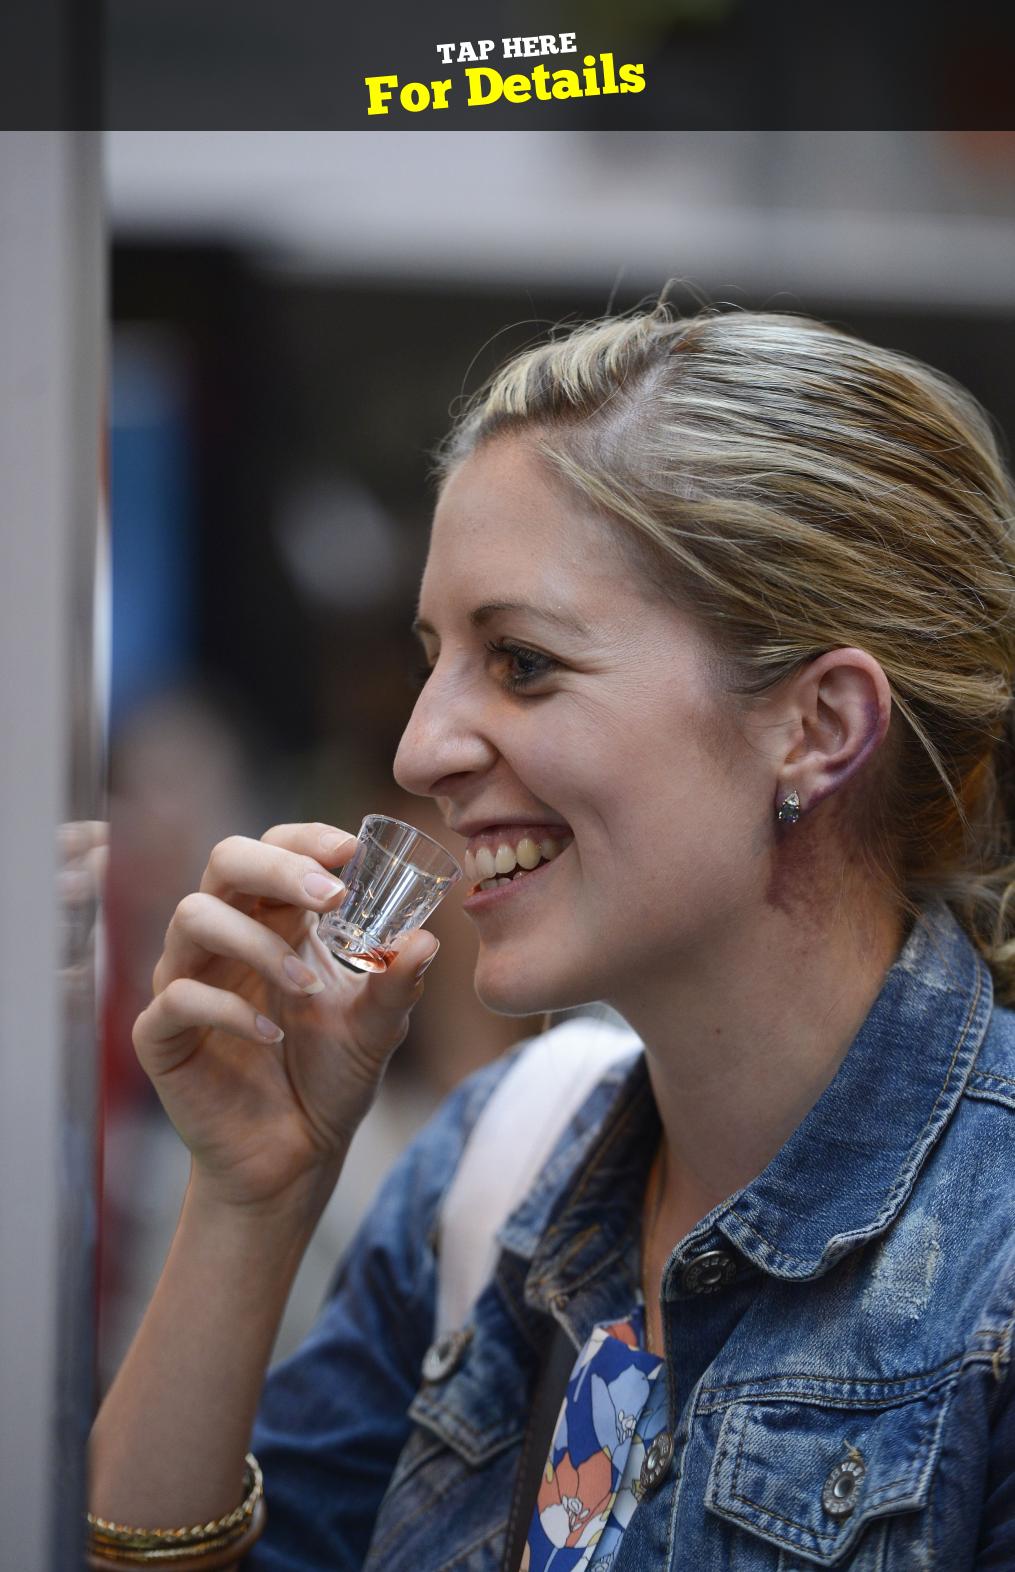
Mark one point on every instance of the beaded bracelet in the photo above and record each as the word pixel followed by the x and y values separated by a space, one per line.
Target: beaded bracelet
pixel 204 1545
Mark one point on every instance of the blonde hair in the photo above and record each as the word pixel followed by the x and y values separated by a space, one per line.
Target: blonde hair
pixel 799 490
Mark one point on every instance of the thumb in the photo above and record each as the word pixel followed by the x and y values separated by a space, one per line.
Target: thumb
pixel 387 998
pixel 422 954
pixel 415 952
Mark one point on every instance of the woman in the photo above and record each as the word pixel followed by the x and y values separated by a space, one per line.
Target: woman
pixel 723 608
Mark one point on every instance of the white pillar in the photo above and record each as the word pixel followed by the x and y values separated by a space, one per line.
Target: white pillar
pixel 52 729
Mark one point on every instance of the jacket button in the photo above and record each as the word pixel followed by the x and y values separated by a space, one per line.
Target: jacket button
pixel 709 1272
pixel 658 1460
pixel 445 1355
pixel 841 1488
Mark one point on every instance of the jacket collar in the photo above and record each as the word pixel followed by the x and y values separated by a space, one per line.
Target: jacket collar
pixel 850 1165
pixel 838 1181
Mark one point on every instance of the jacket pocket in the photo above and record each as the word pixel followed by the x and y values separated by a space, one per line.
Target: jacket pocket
pixel 811 1478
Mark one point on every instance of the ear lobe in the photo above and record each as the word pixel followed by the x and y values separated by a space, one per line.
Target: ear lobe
pixel 789 809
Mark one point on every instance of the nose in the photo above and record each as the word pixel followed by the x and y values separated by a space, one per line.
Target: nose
pixel 444 736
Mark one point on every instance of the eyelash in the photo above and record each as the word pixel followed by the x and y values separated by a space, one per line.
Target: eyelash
pixel 546 663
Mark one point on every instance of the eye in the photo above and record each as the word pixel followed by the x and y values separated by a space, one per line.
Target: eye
pixel 533 665
pixel 538 665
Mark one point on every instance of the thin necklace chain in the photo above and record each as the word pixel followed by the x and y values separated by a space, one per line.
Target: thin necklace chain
pixel 655 1183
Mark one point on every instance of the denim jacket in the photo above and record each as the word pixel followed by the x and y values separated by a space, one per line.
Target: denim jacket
pixel 838 1332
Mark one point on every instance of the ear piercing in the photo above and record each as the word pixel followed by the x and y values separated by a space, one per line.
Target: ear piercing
pixel 789 809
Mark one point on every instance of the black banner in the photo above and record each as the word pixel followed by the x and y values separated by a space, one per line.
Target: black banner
pixel 646 65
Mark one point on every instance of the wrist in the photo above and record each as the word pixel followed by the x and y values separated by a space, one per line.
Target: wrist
pixel 286 1219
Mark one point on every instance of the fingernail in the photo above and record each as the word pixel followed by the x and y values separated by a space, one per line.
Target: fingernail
pixel 268 1029
pixel 301 975
pixel 321 888
pixel 332 843
pixel 421 968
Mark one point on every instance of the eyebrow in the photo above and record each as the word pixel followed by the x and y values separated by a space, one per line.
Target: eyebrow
pixel 482 614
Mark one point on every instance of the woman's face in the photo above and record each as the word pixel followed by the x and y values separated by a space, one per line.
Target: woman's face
pixel 621 742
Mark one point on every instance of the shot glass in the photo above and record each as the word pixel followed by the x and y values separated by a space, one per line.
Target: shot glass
pixel 396 877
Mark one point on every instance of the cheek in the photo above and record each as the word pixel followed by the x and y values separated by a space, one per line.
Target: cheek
pixel 558 762
pixel 680 834
pixel 652 795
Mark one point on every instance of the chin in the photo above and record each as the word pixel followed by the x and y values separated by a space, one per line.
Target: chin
pixel 507 989
pixel 512 1000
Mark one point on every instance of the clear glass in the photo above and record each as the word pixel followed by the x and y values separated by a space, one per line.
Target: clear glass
pixel 396 877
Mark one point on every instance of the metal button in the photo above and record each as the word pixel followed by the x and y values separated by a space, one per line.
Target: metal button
pixel 658 1461
pixel 709 1272
pixel 445 1355
pixel 841 1488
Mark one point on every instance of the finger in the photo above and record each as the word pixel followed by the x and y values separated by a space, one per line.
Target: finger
pixel 242 871
pixel 203 925
pixel 392 993
pixel 378 1020
pixel 93 863
pixel 330 845
pixel 162 1032
pixel 415 951
pixel 76 886
pixel 79 835
pixel 96 862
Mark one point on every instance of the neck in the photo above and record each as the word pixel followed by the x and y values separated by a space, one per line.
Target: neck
pixel 742 1040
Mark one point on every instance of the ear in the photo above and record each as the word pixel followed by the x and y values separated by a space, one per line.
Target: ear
pixel 838 708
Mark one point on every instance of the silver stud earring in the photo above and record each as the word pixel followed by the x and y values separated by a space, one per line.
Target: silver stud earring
pixel 789 808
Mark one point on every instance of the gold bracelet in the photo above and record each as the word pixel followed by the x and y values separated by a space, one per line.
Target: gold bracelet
pixel 215 1554
pixel 117 1540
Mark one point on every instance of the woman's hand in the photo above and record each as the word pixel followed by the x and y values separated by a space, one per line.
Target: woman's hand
pixel 269 1123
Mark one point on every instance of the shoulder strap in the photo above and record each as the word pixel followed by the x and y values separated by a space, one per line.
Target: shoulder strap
pixel 551 1385
pixel 508 1146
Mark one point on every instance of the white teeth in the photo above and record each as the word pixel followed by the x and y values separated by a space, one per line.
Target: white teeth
pixel 527 852
pixel 505 859
pixel 483 860
pixel 483 863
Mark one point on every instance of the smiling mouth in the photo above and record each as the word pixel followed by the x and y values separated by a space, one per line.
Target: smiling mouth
pixel 493 891
pixel 515 861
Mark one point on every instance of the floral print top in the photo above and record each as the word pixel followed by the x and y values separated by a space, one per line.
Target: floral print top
pixel 615 1404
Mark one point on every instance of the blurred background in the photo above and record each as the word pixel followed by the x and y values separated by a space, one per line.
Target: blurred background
pixel 294 316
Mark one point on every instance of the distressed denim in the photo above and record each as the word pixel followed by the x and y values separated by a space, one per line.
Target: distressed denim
pixel 839 1368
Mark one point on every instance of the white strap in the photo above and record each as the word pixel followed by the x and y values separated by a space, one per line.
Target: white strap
pixel 508 1146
